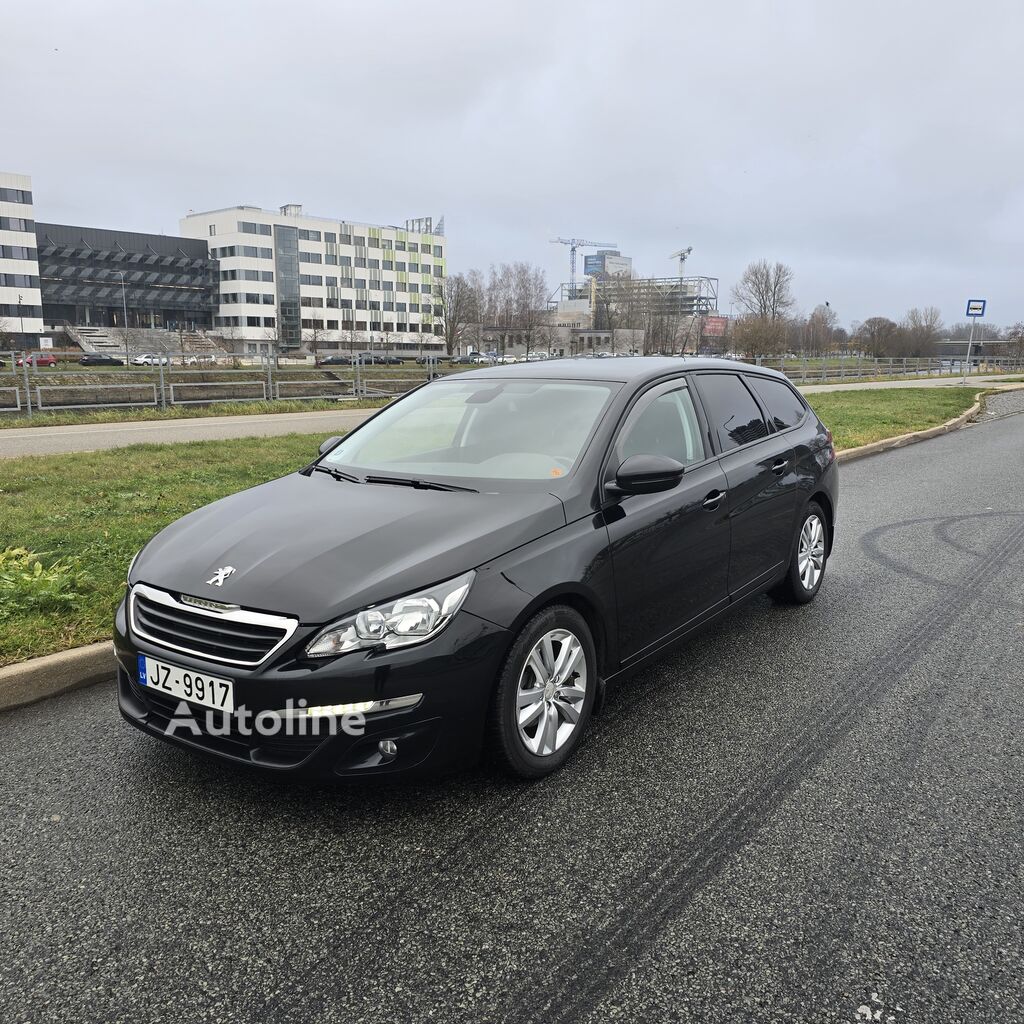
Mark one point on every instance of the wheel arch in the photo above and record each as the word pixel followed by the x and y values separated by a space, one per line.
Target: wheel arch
pixel 822 498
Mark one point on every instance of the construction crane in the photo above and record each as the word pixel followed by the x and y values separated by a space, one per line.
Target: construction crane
pixel 579 243
pixel 681 256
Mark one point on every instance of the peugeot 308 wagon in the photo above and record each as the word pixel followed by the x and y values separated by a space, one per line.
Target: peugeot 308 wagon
pixel 468 570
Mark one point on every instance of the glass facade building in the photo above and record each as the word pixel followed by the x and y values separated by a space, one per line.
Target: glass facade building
pixel 168 281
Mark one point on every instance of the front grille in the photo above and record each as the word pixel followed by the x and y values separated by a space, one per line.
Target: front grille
pixel 232 636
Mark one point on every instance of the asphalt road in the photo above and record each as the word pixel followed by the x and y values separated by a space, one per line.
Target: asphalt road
pixel 16 442
pixel 807 815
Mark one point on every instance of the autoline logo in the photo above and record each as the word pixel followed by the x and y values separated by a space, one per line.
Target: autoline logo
pixel 295 719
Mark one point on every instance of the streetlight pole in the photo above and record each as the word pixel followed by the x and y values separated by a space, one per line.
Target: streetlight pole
pixel 124 306
pixel 970 345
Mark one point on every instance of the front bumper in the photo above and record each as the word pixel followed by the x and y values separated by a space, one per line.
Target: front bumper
pixel 455 672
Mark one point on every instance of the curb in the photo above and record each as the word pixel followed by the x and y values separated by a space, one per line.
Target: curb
pixel 29 681
pixel 901 440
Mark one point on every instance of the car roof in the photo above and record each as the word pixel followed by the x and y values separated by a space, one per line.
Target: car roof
pixel 623 369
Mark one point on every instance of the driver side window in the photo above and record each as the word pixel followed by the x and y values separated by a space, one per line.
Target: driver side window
pixel 664 425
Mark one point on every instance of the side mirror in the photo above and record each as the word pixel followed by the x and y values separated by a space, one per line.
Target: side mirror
pixel 647 474
pixel 329 444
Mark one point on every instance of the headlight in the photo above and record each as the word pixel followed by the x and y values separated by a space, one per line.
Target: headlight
pixel 131 564
pixel 401 623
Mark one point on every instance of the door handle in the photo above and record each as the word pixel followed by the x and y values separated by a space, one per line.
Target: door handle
pixel 713 500
pixel 779 466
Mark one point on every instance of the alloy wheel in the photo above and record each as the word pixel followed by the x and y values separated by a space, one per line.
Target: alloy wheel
pixel 811 552
pixel 552 688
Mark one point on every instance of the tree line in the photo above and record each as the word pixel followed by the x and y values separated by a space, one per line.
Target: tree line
pixel 769 325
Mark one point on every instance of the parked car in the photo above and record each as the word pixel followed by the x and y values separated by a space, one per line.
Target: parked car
pixel 40 359
pixel 100 359
pixel 199 359
pixel 391 360
pixel 335 361
pixel 476 562
pixel 480 358
pixel 464 360
pixel 150 359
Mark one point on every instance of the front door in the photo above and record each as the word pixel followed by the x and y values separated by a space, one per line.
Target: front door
pixel 670 550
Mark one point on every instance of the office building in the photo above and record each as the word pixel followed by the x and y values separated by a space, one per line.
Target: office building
pixel 93 277
pixel 21 305
pixel 289 280
pixel 607 262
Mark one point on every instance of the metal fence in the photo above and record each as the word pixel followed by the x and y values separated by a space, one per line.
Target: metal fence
pixel 833 370
pixel 29 388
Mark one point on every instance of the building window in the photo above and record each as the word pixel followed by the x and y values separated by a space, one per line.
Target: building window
pixel 331 259
pixel 15 195
pixel 359 240
pixel 437 252
pixel 414 307
pixel 305 235
pixel 345 239
pixel 310 257
pixel 330 236
pixel 414 268
pixel 269 321
pixel 266 275
pixel 213 230
pixel 268 299
pixel 311 279
pixel 247 227
pixel 17 224
pixel 374 264
pixel 18 252
pixel 361 262
pixel 252 321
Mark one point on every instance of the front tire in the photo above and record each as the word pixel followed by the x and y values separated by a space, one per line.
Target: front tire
pixel 545 694
pixel 806 570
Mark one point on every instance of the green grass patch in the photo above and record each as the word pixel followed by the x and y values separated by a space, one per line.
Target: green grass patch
pixel 860 417
pixel 87 514
pixel 81 517
pixel 183 412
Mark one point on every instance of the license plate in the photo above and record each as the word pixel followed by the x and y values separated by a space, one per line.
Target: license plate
pixel 187 684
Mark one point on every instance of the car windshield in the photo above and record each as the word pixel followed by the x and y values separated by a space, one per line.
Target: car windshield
pixel 480 429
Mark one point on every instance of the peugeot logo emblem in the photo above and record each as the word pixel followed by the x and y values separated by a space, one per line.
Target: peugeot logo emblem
pixel 220 576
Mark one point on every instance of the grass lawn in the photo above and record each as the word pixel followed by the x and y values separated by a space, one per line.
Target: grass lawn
pixel 860 417
pixel 83 516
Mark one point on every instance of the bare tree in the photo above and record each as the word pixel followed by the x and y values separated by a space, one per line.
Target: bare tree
pixel 314 337
pixel 765 290
pixel 459 299
pixel 878 336
pixel 7 334
pixel 757 336
pixel 818 339
pixel 1014 339
pixel 920 330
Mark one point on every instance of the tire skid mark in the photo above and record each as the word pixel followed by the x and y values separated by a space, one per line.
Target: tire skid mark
pixel 870 543
pixel 676 871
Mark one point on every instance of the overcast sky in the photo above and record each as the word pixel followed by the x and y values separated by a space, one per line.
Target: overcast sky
pixel 879 151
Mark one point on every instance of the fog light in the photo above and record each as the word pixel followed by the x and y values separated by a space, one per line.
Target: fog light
pixel 388 749
pixel 358 708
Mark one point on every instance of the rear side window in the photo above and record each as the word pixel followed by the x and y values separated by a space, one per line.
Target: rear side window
pixel 731 410
pixel 785 407
pixel 664 425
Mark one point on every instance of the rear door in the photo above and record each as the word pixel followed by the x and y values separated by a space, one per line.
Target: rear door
pixel 758 465
pixel 670 550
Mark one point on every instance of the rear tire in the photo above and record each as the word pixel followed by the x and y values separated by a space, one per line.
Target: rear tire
pixel 806 570
pixel 545 694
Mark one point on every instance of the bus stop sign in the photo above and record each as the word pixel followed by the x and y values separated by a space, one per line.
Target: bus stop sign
pixel 975 307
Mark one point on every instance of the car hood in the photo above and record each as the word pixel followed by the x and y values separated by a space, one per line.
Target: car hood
pixel 319 548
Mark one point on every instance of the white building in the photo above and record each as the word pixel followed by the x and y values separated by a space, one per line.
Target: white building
pixel 21 304
pixel 290 280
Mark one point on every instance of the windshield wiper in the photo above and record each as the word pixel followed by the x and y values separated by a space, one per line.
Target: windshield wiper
pixel 337 474
pixel 423 485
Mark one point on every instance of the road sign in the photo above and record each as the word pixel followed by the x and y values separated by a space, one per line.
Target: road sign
pixel 46 342
pixel 975 307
